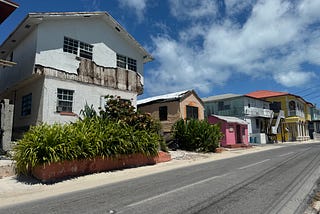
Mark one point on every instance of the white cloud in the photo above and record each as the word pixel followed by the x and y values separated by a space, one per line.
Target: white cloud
pixel 293 78
pixel 137 5
pixel 235 6
pixel 273 42
pixel 182 67
pixel 186 9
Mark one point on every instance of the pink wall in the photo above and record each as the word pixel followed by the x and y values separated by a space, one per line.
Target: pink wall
pixel 230 131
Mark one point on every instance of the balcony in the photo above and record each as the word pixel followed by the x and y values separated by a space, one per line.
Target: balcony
pixel 296 113
pixel 257 112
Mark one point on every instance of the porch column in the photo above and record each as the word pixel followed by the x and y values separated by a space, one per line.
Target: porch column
pixel 307 131
pixel 299 131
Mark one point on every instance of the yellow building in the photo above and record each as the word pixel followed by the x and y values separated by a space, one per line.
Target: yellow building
pixel 297 114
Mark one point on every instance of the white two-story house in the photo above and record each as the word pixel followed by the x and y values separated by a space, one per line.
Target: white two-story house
pixel 254 111
pixel 65 60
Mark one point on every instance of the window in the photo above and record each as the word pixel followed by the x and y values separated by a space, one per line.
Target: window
pixel 65 100
pixel 292 105
pixel 163 113
pixel 257 123
pixel 126 62
pixel 132 64
pixel 275 106
pixel 26 105
pixel 192 112
pixel 78 48
pixel 220 105
pixel 121 61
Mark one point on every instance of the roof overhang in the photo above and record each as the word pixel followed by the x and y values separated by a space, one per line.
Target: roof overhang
pixel 6 8
pixel 33 19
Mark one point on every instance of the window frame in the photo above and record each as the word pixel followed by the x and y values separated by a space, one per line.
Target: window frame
pixel 78 48
pixel 194 112
pixel 126 62
pixel 26 105
pixel 163 113
pixel 64 102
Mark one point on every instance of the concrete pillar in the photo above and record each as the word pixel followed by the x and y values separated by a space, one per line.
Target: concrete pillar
pixel 307 131
pixel 6 121
pixel 299 131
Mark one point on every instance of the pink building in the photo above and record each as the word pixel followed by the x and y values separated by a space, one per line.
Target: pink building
pixel 234 129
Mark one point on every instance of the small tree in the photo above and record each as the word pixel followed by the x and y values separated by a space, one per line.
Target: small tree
pixel 120 110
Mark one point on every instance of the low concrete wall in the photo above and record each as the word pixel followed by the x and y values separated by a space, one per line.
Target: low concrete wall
pixel 58 171
pixel 6 168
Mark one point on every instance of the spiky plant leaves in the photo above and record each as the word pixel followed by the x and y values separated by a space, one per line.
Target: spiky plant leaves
pixel 195 135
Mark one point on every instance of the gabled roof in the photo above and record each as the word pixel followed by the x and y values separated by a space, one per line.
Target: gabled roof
pixel 266 93
pixel 33 19
pixel 176 96
pixel 230 119
pixel 220 97
pixel 6 8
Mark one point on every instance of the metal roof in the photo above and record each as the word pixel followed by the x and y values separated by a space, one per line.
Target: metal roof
pixel 220 97
pixel 165 97
pixel 33 19
pixel 230 119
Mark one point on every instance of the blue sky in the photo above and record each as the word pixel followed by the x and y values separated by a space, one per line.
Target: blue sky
pixel 213 46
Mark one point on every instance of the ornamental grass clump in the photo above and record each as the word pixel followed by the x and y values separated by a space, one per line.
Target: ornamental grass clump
pixel 108 134
pixel 196 135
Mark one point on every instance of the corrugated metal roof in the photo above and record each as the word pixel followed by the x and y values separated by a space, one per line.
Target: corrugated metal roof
pixel 220 97
pixel 165 97
pixel 231 119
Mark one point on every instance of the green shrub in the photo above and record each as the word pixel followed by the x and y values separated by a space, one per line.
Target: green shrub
pixel 195 135
pixel 117 130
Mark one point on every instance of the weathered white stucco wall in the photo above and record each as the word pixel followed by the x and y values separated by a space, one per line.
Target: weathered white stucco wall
pixel 105 40
pixel 83 93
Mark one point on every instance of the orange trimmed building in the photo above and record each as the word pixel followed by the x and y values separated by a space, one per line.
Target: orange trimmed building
pixel 297 115
pixel 169 108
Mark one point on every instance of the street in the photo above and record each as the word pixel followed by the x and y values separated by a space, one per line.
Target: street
pixel 272 181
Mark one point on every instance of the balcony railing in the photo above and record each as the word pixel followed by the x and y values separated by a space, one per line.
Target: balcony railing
pixel 298 113
pixel 257 112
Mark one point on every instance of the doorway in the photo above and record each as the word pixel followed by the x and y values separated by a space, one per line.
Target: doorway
pixel 238 134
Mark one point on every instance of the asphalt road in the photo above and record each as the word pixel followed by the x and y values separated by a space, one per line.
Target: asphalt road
pixel 272 181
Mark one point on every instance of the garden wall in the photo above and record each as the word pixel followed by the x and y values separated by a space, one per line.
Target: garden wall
pixel 57 171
